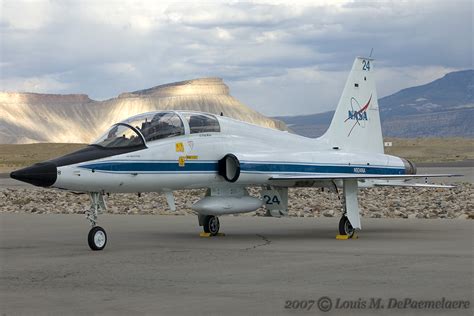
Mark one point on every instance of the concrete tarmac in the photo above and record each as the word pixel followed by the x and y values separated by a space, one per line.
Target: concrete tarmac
pixel 159 265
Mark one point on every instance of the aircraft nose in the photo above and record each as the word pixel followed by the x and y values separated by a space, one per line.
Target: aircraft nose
pixel 42 174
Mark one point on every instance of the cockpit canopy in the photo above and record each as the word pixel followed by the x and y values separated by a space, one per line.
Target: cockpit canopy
pixel 147 127
pixel 120 136
pixel 159 125
pixel 201 123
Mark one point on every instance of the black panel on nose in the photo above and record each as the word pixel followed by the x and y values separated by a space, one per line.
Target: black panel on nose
pixel 42 174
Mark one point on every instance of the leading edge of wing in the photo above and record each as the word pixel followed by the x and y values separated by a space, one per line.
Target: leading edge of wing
pixel 342 176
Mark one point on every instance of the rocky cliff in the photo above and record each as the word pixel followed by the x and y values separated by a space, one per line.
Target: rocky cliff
pixel 32 117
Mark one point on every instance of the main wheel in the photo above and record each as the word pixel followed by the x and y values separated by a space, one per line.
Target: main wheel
pixel 345 227
pixel 97 238
pixel 211 225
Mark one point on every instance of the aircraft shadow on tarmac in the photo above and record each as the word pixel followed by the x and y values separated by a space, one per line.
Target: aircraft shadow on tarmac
pixel 377 233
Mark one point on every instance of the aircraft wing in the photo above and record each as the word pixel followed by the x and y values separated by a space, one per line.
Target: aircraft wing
pixel 392 180
pixel 358 176
pixel 414 185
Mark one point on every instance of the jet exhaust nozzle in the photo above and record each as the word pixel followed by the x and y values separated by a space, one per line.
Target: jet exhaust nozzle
pixel 43 174
pixel 410 167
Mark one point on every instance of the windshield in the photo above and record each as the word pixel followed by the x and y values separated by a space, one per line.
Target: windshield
pixel 155 126
pixel 119 136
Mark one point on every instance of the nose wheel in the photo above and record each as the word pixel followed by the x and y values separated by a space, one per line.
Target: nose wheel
pixel 345 227
pixel 211 225
pixel 97 238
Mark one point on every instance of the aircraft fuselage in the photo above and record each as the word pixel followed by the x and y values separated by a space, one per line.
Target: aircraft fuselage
pixel 191 161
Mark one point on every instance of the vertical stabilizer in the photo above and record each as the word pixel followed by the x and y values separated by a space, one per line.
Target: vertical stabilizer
pixel 356 122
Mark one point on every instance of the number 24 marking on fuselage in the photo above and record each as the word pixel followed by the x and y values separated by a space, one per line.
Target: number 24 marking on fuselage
pixel 366 65
pixel 269 200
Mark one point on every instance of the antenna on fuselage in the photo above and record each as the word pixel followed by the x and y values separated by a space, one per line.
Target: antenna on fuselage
pixel 371 51
pixel 222 114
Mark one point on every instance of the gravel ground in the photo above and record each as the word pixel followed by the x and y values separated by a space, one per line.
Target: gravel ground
pixel 304 202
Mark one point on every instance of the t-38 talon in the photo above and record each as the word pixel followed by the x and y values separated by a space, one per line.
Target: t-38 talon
pixel 176 150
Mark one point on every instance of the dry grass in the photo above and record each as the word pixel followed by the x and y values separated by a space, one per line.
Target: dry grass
pixel 432 149
pixel 17 156
pixel 417 149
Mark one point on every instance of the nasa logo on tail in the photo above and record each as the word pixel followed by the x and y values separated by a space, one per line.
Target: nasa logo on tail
pixel 357 114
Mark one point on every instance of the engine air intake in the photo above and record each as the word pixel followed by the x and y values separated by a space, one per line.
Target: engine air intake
pixel 229 167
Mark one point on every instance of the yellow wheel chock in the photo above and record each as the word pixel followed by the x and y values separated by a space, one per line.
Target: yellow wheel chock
pixel 203 234
pixel 346 237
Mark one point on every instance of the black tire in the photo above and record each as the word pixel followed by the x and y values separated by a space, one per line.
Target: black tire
pixel 97 238
pixel 211 225
pixel 345 227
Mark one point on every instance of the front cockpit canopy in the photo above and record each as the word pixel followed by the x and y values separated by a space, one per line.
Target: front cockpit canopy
pixel 137 130
pixel 147 127
pixel 120 136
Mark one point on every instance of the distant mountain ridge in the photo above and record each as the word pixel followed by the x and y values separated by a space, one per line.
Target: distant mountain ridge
pixel 75 118
pixel 441 108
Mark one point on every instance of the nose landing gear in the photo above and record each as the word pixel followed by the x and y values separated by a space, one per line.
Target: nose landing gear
pixel 97 237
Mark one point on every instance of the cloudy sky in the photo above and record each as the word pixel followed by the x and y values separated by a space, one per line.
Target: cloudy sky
pixel 279 57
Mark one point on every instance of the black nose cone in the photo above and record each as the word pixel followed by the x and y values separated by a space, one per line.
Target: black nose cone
pixel 42 174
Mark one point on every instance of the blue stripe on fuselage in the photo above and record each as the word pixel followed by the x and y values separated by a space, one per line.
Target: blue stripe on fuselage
pixel 299 168
pixel 152 167
pixel 246 167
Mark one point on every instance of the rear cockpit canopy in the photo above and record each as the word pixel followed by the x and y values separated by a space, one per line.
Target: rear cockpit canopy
pixel 152 126
pixel 201 123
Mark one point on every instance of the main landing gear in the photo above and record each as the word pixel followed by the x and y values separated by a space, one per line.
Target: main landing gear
pixel 210 224
pixel 345 227
pixel 97 237
pixel 350 220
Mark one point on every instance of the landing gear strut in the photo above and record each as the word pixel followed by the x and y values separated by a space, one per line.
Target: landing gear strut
pixel 350 220
pixel 97 237
pixel 345 227
pixel 210 224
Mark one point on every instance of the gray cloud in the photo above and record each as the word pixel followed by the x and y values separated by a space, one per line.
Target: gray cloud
pixel 277 58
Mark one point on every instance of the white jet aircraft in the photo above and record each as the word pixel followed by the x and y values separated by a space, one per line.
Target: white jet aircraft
pixel 176 150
